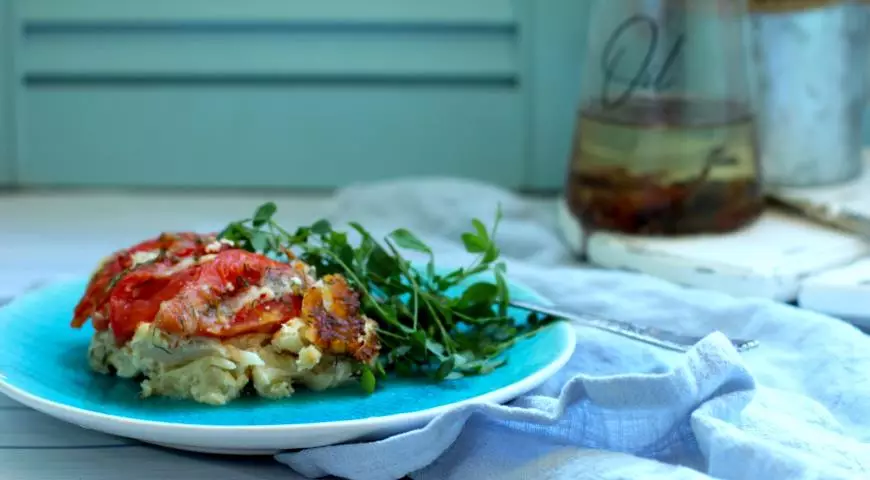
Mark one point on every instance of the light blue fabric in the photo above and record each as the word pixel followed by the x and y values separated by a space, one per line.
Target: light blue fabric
pixel 796 408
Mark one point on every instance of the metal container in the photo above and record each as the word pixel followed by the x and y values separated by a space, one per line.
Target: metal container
pixel 811 58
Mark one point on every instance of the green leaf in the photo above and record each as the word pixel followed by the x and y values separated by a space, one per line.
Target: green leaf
pixel 264 213
pixel 301 235
pixel 364 250
pixel 399 351
pixel 260 241
pixel 372 308
pixel 382 263
pixel 503 294
pixel 481 230
pixel 489 349
pixel 404 369
pixel 430 271
pixel 444 369
pixel 455 274
pixel 450 279
pixel 473 243
pixel 471 368
pixel 379 370
pixel 420 337
pixel 237 233
pixel 460 359
pixel 409 241
pixel 367 380
pixel 321 227
pixel 446 313
pixel 492 365
pixel 498 217
pixel 230 232
pixel 336 239
pixel 481 292
pixel 362 231
pixel 491 254
pixel 435 348
pixel 345 254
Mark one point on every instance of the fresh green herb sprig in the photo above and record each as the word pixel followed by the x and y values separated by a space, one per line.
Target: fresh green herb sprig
pixel 441 325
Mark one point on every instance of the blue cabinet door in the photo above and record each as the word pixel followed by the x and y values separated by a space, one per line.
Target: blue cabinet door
pixel 7 92
pixel 556 34
pixel 269 92
pixel 288 94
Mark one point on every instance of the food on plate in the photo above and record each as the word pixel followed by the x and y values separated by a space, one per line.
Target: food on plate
pixel 202 319
pixel 257 309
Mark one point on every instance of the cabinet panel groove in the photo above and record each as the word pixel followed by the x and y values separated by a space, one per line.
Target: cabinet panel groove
pixel 283 50
pixel 441 12
pixel 46 80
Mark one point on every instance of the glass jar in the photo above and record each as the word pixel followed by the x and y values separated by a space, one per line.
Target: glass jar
pixel 665 140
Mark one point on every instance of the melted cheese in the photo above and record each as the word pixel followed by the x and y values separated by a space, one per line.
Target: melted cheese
pixel 141 258
pixel 209 371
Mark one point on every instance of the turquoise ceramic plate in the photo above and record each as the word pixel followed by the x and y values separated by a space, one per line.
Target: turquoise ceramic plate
pixel 43 365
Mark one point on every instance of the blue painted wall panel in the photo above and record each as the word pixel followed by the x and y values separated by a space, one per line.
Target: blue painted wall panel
pixel 558 36
pixel 7 95
pixel 322 94
pixel 268 135
pixel 303 94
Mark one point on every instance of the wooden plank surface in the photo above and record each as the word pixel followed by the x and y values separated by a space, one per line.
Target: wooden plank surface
pixel 34 446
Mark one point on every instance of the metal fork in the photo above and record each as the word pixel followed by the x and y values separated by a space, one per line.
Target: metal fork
pixel 653 336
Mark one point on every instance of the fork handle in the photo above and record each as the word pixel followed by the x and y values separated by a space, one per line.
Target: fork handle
pixel 652 336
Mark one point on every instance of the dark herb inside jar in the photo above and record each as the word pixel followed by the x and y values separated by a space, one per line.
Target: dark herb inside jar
pixel 665 167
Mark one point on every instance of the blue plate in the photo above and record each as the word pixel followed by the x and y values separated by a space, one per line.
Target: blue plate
pixel 43 364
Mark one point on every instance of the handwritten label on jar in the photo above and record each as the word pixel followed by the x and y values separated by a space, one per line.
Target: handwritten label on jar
pixel 620 81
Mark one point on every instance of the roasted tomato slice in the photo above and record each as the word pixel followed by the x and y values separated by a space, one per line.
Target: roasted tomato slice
pixel 238 292
pixel 167 249
pixel 138 296
pixel 264 317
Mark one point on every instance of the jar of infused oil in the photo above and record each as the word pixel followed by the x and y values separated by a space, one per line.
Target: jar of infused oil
pixel 665 140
